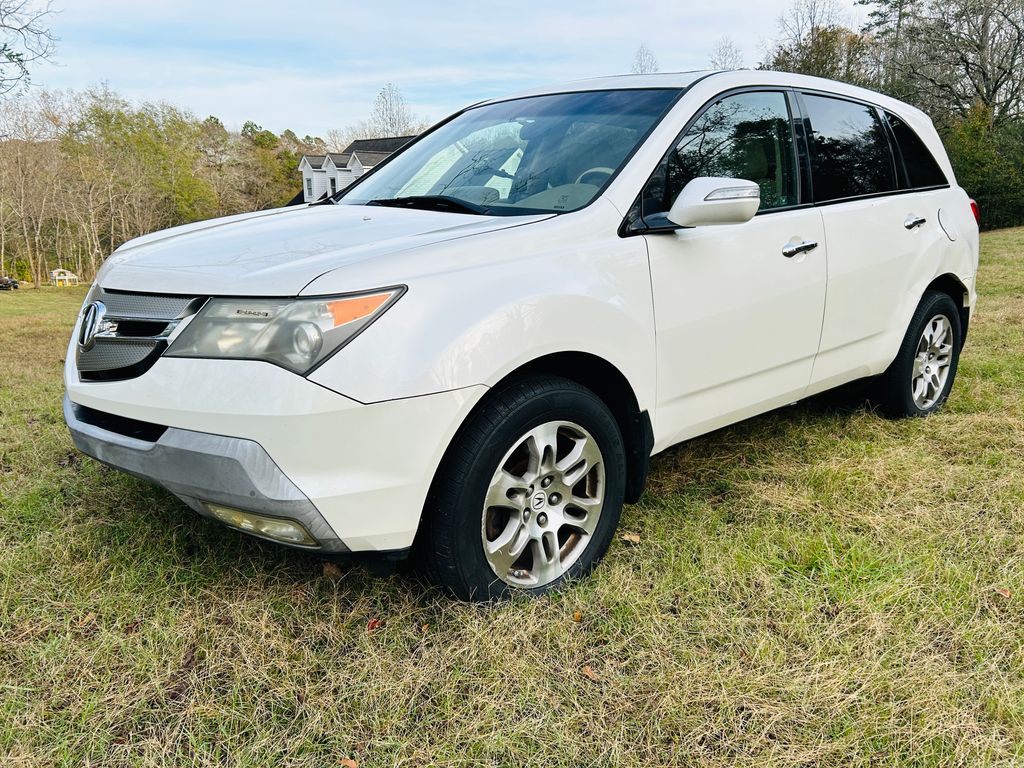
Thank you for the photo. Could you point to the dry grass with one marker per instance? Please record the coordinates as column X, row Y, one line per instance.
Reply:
column 814, row 587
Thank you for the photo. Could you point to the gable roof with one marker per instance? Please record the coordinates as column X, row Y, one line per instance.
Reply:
column 385, row 145
column 370, row 152
column 371, row 158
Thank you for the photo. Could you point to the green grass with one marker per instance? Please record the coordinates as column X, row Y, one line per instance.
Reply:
column 817, row 586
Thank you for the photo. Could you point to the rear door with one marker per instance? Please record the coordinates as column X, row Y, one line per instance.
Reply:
column 879, row 232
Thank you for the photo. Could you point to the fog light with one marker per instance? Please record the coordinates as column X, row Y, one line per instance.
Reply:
column 276, row 528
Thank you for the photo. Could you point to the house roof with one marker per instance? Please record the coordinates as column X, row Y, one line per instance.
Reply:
column 371, row 158
column 385, row 145
column 370, row 151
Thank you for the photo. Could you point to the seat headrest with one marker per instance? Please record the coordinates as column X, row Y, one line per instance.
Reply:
column 753, row 160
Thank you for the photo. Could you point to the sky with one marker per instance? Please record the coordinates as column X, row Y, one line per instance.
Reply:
column 318, row 65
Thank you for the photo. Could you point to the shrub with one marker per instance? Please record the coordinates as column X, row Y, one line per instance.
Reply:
column 988, row 160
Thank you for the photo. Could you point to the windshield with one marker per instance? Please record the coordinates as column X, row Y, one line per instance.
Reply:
column 543, row 154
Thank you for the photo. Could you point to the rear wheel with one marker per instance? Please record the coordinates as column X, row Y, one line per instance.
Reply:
column 529, row 495
column 920, row 378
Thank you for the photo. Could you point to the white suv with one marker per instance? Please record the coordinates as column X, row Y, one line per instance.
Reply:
column 474, row 350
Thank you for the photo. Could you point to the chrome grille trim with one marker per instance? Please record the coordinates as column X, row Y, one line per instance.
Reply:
column 131, row 333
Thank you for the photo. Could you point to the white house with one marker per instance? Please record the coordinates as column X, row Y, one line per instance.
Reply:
column 326, row 174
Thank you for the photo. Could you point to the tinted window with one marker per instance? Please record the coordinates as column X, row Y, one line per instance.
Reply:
column 920, row 165
column 517, row 157
column 851, row 155
column 747, row 136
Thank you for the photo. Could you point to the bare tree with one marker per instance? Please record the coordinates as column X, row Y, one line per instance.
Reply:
column 5, row 214
column 726, row 55
column 644, row 62
column 391, row 115
column 24, row 40
column 805, row 18
column 975, row 55
column 32, row 182
column 888, row 23
column 813, row 41
column 336, row 140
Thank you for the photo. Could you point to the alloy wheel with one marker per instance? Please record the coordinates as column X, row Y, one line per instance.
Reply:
column 543, row 504
column 932, row 362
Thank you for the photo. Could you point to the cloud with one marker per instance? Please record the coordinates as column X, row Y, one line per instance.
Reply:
column 322, row 68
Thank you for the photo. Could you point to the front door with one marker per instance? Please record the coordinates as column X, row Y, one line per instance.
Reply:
column 737, row 313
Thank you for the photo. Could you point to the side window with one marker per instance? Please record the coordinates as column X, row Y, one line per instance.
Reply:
column 850, row 152
column 746, row 136
column 919, row 163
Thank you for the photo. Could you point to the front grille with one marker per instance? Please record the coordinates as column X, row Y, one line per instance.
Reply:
column 122, row 334
column 145, row 306
column 114, row 354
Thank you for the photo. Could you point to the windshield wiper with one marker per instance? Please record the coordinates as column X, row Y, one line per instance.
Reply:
column 433, row 203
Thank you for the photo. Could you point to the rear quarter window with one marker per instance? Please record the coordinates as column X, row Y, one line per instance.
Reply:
column 922, row 170
column 850, row 152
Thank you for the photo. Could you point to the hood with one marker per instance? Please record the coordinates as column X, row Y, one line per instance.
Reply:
column 279, row 252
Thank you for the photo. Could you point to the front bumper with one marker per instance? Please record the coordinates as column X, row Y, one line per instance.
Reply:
column 252, row 436
column 198, row 467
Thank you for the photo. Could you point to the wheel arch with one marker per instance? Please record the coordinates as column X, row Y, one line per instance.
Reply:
column 593, row 372
column 611, row 385
column 951, row 285
column 606, row 381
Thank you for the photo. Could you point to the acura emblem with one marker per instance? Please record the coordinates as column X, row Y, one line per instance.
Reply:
column 91, row 323
column 539, row 500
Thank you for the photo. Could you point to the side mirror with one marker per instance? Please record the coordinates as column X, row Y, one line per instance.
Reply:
column 715, row 200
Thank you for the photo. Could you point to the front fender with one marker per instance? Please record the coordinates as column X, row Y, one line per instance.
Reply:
column 475, row 325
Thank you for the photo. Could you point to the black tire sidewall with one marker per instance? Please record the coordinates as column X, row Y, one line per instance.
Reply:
column 898, row 385
column 488, row 435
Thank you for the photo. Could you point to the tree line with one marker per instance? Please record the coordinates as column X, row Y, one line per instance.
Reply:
column 81, row 173
column 961, row 61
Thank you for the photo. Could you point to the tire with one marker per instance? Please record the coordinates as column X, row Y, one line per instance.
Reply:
column 478, row 517
column 919, row 380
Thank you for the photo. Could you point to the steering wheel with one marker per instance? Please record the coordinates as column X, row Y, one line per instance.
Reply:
column 599, row 169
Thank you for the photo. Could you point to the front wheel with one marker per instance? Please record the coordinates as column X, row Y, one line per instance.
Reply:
column 919, row 380
column 529, row 495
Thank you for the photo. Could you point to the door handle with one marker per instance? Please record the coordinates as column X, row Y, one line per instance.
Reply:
column 913, row 222
column 797, row 248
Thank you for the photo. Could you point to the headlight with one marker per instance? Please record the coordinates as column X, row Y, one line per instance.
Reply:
column 297, row 334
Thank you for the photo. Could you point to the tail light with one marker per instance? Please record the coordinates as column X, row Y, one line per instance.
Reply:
column 976, row 211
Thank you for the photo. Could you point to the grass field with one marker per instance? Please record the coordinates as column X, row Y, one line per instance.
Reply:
column 817, row 586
